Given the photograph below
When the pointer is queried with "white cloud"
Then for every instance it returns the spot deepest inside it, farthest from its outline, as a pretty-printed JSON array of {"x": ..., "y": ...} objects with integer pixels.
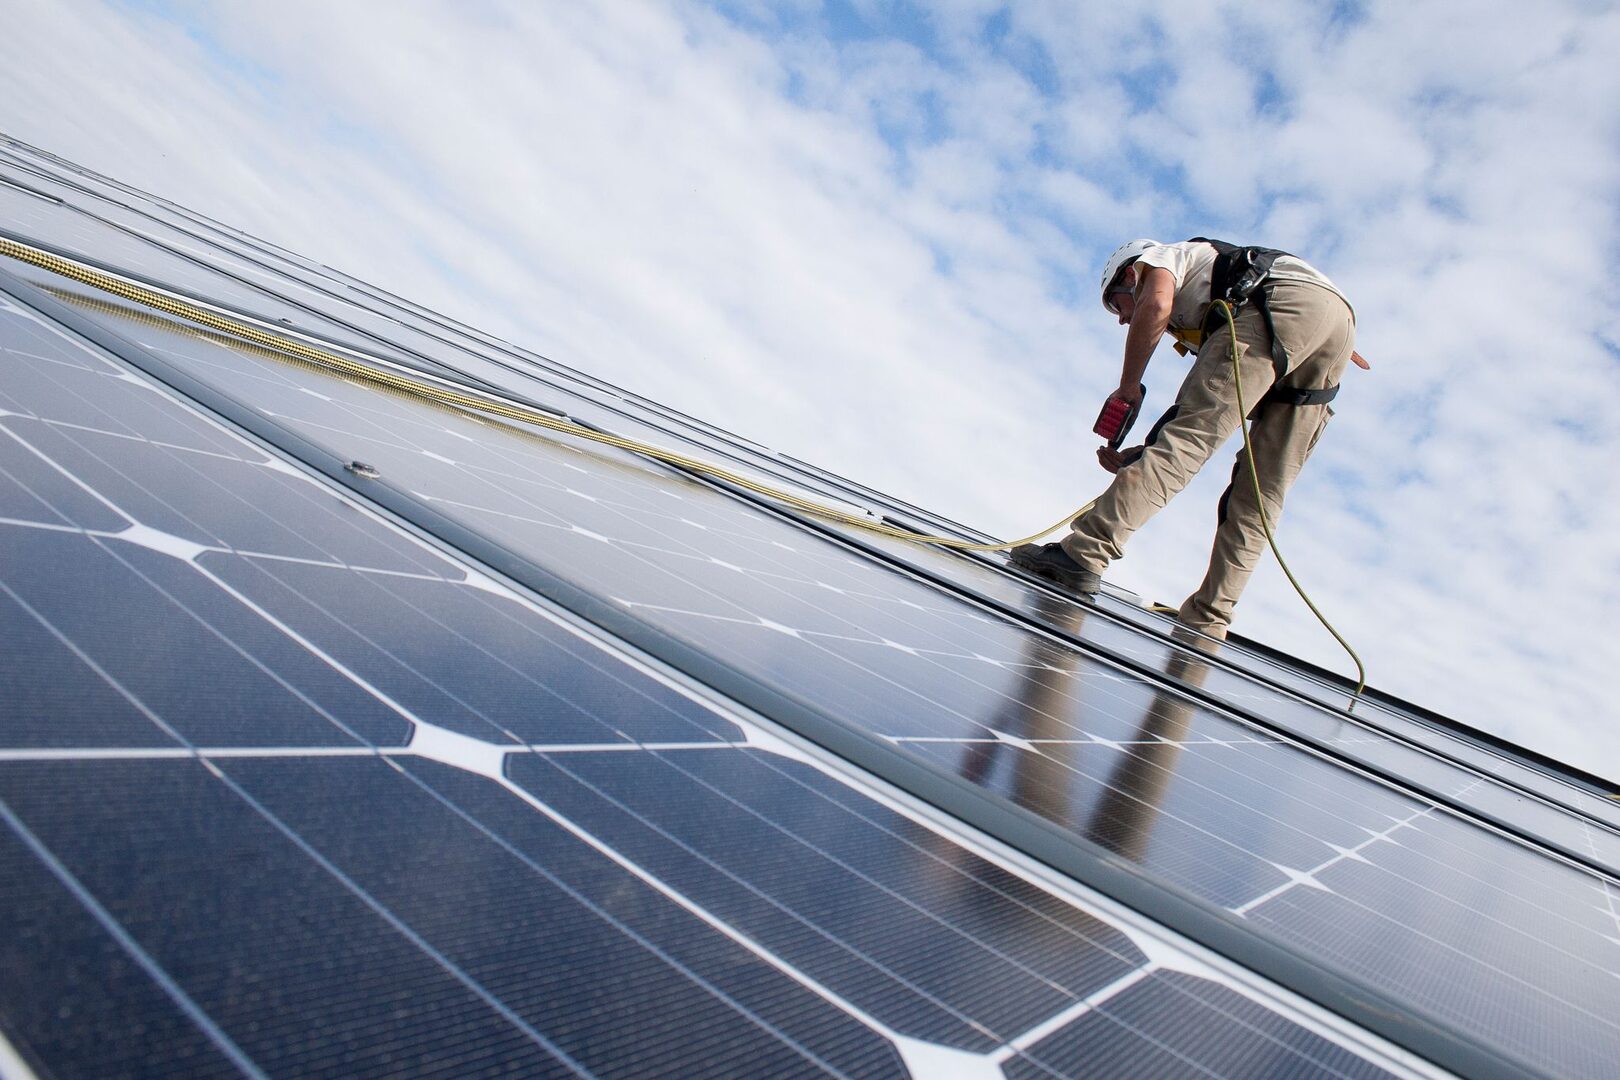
[{"x": 879, "y": 256}]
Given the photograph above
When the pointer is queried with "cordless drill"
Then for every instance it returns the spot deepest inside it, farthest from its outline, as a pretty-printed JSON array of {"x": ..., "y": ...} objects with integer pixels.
[{"x": 1116, "y": 418}]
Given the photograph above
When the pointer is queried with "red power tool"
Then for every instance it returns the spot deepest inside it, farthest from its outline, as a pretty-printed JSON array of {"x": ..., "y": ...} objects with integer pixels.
[{"x": 1116, "y": 418}]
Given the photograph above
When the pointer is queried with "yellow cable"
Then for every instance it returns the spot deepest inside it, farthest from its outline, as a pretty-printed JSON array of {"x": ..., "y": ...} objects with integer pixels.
[
  {"x": 1260, "y": 502},
  {"x": 470, "y": 401},
  {"x": 490, "y": 405}
]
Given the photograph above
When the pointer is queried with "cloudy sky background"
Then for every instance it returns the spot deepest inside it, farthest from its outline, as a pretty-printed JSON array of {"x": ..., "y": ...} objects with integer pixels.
[{"x": 868, "y": 234}]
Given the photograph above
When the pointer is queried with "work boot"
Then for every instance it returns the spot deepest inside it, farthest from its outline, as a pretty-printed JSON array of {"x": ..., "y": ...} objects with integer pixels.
[{"x": 1051, "y": 562}]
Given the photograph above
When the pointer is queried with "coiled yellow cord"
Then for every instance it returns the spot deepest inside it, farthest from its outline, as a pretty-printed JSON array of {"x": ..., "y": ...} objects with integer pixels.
[{"x": 1265, "y": 520}]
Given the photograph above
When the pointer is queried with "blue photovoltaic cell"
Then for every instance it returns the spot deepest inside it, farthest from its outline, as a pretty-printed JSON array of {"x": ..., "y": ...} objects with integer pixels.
[
  {"x": 760, "y": 989},
  {"x": 294, "y": 967},
  {"x": 87, "y": 1000},
  {"x": 32, "y": 488},
  {"x": 50, "y": 695},
  {"x": 930, "y": 951},
  {"x": 71, "y": 386},
  {"x": 1362, "y": 920},
  {"x": 593, "y": 959},
  {"x": 220, "y": 502},
  {"x": 165, "y": 640},
  {"x": 475, "y": 663},
  {"x": 1173, "y": 1024}
]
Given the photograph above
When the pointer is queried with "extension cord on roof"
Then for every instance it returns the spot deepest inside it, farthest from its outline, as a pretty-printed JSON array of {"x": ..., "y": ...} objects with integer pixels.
[
  {"x": 492, "y": 405},
  {"x": 459, "y": 399}
]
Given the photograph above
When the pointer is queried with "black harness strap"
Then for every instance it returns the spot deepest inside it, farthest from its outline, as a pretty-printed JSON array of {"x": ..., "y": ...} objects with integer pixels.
[
  {"x": 1238, "y": 277},
  {"x": 1292, "y": 395}
]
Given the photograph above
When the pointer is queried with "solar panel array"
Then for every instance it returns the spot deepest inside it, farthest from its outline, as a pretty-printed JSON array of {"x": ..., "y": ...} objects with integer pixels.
[{"x": 514, "y": 754}]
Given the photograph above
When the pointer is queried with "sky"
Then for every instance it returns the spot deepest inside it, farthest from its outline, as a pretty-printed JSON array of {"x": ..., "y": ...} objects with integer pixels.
[{"x": 869, "y": 235}]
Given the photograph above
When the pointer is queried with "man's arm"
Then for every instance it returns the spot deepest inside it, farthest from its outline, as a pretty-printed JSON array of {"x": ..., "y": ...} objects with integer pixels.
[{"x": 1149, "y": 321}]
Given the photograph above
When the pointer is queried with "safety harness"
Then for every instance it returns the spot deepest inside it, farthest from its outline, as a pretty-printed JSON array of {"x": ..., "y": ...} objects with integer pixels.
[{"x": 1238, "y": 278}]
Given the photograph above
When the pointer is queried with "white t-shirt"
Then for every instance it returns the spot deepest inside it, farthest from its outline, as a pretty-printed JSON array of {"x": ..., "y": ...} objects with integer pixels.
[{"x": 1192, "y": 264}]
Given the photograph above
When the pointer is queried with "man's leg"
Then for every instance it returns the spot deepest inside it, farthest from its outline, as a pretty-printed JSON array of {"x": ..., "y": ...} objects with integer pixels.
[
  {"x": 1206, "y": 415},
  {"x": 1283, "y": 437},
  {"x": 1316, "y": 327}
]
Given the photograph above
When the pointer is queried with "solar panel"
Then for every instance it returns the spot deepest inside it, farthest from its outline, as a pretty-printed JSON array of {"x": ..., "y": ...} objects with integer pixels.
[
  {"x": 314, "y": 288},
  {"x": 296, "y": 669},
  {"x": 516, "y": 753}
]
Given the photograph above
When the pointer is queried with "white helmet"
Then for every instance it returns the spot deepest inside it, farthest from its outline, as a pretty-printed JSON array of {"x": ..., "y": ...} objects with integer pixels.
[{"x": 1127, "y": 254}]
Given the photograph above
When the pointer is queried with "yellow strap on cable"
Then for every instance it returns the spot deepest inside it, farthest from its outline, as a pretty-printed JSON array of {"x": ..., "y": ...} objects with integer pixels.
[
  {"x": 472, "y": 402},
  {"x": 1260, "y": 503}
]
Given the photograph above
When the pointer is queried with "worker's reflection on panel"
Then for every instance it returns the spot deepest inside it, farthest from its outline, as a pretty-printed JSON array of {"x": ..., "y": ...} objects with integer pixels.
[
  {"x": 1040, "y": 708},
  {"x": 1135, "y": 787},
  {"x": 1043, "y": 722}
]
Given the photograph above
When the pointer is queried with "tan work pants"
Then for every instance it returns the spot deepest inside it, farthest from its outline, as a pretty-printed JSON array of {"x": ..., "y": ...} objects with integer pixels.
[{"x": 1317, "y": 329}]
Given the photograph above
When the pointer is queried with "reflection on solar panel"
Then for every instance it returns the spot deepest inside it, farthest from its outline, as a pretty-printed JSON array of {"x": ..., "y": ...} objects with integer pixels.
[{"x": 520, "y": 755}]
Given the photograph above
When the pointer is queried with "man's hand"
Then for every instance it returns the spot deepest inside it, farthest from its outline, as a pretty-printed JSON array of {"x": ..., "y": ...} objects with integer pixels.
[
  {"x": 1116, "y": 415},
  {"x": 1130, "y": 395},
  {"x": 1115, "y": 460}
]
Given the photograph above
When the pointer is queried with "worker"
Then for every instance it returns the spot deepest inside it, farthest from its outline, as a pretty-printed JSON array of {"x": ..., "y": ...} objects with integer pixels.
[{"x": 1295, "y": 335}]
